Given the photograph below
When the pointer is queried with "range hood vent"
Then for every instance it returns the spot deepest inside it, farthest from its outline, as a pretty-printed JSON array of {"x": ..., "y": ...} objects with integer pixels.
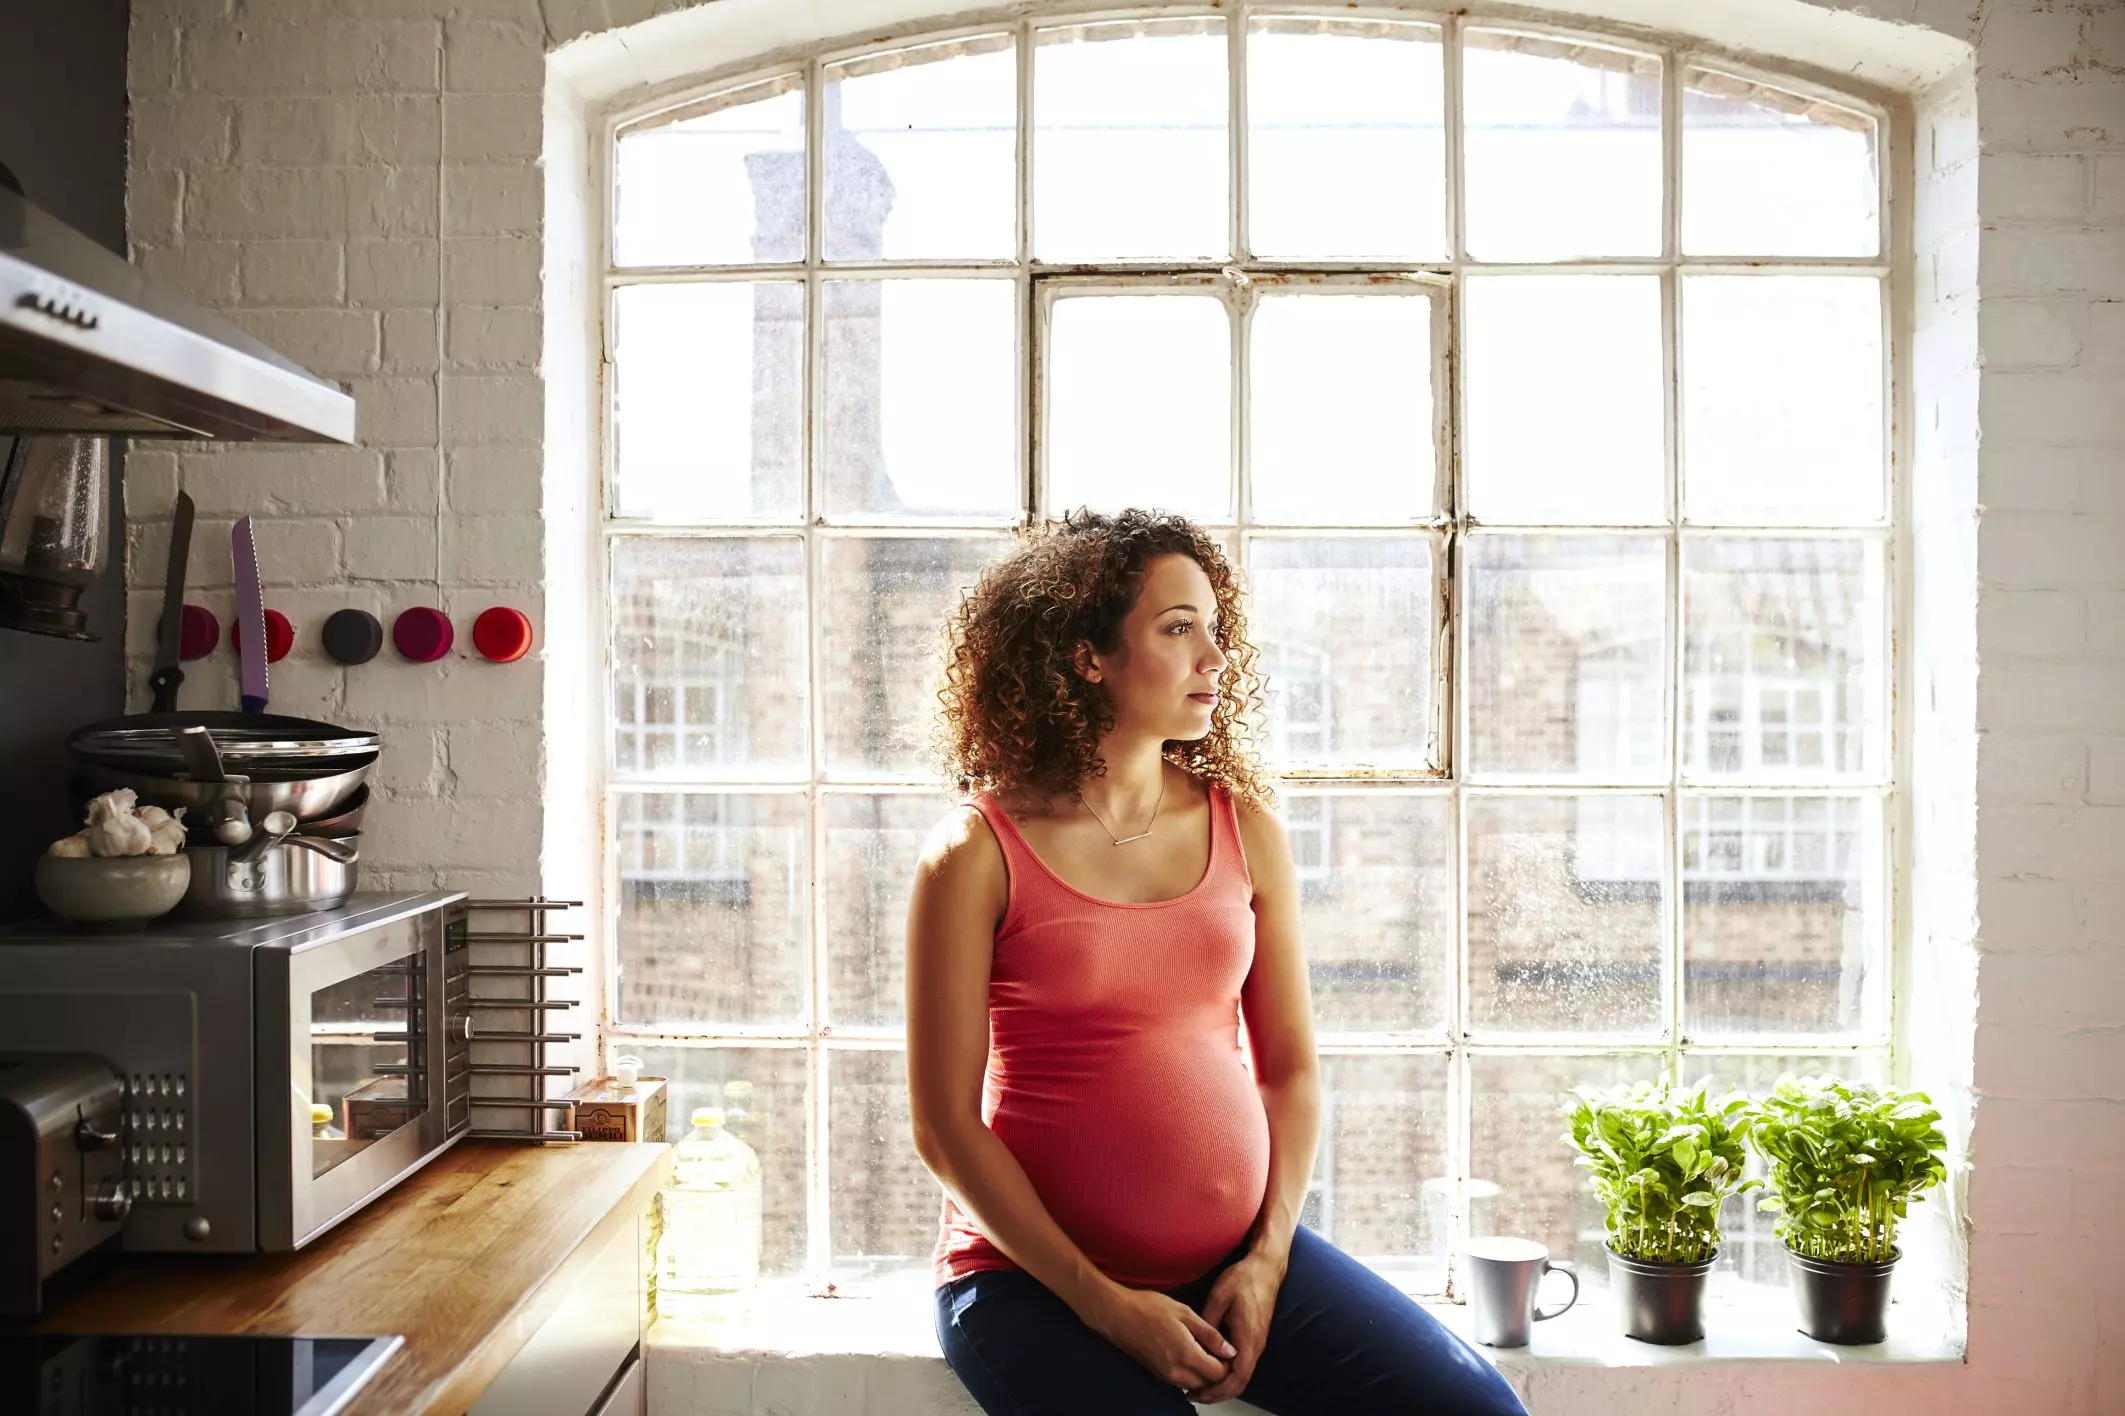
[{"x": 88, "y": 344}]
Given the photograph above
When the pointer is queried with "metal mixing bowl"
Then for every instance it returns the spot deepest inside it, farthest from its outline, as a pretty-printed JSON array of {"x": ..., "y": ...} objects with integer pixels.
[{"x": 305, "y": 797}]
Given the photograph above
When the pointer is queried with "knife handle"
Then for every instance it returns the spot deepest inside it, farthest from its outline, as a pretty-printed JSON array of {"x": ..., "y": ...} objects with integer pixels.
[{"x": 166, "y": 682}]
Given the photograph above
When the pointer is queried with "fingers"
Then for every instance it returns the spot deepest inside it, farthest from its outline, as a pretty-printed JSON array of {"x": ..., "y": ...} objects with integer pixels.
[
  {"x": 1212, "y": 1340},
  {"x": 1199, "y": 1374}
]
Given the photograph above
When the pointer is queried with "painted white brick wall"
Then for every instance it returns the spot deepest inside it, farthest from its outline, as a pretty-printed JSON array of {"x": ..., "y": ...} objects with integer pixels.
[{"x": 356, "y": 181}]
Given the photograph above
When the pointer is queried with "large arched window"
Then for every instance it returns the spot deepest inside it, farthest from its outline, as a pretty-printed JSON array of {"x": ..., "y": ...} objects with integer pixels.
[{"x": 1538, "y": 380}]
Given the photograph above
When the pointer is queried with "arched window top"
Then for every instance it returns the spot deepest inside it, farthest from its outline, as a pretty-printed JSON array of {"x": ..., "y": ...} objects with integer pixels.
[{"x": 1266, "y": 135}]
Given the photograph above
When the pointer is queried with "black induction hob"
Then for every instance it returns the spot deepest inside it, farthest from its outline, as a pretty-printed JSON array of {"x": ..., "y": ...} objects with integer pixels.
[{"x": 167, "y": 1374}]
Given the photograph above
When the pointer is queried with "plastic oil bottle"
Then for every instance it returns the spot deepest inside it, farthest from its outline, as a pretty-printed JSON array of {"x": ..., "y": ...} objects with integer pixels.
[{"x": 711, "y": 1239}]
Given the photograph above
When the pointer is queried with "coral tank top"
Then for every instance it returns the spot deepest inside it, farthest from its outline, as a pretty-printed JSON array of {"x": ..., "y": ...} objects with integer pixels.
[{"x": 1115, "y": 1071}]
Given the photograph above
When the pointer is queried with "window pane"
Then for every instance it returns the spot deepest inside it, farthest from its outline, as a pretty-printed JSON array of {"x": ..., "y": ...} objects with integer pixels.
[
  {"x": 1563, "y": 148},
  {"x": 708, "y": 401},
  {"x": 921, "y": 398},
  {"x": 711, "y": 907},
  {"x": 1782, "y": 399},
  {"x": 1346, "y": 628},
  {"x": 885, "y": 597},
  {"x": 885, "y": 1203},
  {"x": 1565, "y": 414},
  {"x": 1346, "y": 147},
  {"x": 1342, "y": 418},
  {"x": 873, "y": 843},
  {"x": 1771, "y": 173},
  {"x": 921, "y": 152},
  {"x": 1753, "y": 1252},
  {"x": 1564, "y": 913},
  {"x": 1567, "y": 656},
  {"x": 1139, "y": 404},
  {"x": 708, "y": 662},
  {"x": 1784, "y": 673},
  {"x": 1129, "y": 141},
  {"x": 1377, "y": 1176},
  {"x": 722, "y": 187},
  {"x": 1782, "y": 917},
  {"x": 1376, "y": 903},
  {"x": 761, "y": 1090},
  {"x": 1521, "y": 1177}
]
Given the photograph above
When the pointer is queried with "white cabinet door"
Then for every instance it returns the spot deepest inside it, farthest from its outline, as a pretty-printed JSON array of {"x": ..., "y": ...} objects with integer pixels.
[{"x": 571, "y": 1359}]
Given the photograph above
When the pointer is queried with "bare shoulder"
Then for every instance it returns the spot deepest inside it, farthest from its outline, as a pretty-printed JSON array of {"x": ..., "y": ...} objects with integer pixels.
[
  {"x": 1263, "y": 839},
  {"x": 962, "y": 860}
]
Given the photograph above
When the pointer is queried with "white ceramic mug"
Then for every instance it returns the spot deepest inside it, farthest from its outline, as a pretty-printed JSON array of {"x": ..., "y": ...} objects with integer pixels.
[{"x": 1503, "y": 1274}]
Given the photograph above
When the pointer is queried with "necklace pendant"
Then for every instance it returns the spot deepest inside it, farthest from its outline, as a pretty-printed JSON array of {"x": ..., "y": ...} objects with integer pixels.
[{"x": 1127, "y": 839}]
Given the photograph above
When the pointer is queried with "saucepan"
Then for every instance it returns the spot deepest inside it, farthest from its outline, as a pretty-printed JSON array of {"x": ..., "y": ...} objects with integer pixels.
[{"x": 287, "y": 876}]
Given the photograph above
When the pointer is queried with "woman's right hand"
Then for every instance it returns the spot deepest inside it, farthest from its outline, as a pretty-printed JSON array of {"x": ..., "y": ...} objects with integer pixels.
[{"x": 1172, "y": 1341}]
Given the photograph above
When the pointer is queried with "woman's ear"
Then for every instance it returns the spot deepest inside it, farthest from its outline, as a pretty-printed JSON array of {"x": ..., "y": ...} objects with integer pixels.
[{"x": 1085, "y": 662}]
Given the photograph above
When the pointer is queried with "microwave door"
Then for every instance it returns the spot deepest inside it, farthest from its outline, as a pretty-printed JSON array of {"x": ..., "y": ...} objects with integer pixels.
[{"x": 350, "y": 1086}]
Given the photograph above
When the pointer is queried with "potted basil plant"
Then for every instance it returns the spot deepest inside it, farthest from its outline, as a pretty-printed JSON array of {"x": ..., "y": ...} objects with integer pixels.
[
  {"x": 1846, "y": 1160},
  {"x": 1664, "y": 1159}
]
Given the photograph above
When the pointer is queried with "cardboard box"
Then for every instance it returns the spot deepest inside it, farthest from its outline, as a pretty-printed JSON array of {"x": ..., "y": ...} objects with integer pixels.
[
  {"x": 607, "y": 1111},
  {"x": 375, "y": 1109}
]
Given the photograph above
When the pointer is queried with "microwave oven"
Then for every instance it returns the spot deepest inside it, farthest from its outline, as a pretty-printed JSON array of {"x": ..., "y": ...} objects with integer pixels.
[{"x": 274, "y": 1075}]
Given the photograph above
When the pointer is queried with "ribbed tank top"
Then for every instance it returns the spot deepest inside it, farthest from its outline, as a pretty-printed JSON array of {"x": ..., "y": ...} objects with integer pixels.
[{"x": 1115, "y": 1071}]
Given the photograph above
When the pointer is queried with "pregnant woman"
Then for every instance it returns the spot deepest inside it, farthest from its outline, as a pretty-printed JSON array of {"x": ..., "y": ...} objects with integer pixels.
[{"x": 1120, "y": 1232}]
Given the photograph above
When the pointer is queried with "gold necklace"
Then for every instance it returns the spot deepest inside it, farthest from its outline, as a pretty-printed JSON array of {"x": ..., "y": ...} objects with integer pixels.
[{"x": 1125, "y": 840}]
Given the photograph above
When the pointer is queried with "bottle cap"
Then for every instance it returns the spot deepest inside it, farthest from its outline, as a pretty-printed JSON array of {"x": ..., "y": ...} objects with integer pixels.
[{"x": 708, "y": 1116}]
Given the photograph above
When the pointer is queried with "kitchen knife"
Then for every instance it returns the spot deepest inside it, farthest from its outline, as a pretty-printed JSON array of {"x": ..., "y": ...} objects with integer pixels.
[
  {"x": 250, "y": 617},
  {"x": 169, "y": 634}
]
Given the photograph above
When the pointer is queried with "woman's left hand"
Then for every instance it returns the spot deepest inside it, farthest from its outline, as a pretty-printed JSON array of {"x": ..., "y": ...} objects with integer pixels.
[{"x": 1240, "y": 1304}]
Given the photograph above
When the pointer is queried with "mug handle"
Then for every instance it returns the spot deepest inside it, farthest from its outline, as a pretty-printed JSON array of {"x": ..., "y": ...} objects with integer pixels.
[{"x": 1550, "y": 1266}]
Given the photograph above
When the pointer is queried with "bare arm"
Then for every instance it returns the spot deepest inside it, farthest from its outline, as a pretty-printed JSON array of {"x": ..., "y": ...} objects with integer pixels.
[
  {"x": 958, "y": 897},
  {"x": 1278, "y": 1005}
]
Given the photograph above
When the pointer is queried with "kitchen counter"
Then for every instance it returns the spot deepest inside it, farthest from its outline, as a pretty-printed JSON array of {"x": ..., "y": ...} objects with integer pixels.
[{"x": 467, "y": 1258}]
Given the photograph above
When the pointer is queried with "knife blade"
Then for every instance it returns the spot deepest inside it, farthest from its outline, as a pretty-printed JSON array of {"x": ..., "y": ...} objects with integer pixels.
[
  {"x": 250, "y": 617},
  {"x": 169, "y": 633}
]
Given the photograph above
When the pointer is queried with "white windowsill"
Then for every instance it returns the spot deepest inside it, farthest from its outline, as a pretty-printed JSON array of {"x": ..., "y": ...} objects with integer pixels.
[{"x": 847, "y": 1350}]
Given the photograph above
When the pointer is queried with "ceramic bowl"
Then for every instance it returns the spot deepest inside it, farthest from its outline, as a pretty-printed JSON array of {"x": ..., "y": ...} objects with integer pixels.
[{"x": 112, "y": 890}]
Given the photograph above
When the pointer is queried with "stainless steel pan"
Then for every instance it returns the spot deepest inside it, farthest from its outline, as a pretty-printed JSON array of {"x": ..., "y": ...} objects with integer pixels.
[
  {"x": 307, "y": 798},
  {"x": 284, "y": 878}
]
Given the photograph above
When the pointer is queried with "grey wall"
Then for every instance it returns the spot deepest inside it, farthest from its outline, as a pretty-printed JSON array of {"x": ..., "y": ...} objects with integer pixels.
[{"x": 62, "y": 131}]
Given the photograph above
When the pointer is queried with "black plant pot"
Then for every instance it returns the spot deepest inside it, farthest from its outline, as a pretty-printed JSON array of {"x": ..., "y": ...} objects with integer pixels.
[
  {"x": 1661, "y": 1303},
  {"x": 1842, "y": 1303}
]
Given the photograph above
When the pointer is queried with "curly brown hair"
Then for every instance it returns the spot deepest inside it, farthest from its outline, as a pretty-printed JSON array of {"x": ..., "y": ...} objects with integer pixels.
[{"x": 1015, "y": 713}]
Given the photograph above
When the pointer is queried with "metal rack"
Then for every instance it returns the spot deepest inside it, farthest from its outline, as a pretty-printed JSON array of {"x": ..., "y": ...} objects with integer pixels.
[{"x": 508, "y": 1020}]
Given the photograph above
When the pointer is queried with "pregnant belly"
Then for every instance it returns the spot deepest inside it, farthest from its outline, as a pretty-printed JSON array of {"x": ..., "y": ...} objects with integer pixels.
[{"x": 1156, "y": 1174}]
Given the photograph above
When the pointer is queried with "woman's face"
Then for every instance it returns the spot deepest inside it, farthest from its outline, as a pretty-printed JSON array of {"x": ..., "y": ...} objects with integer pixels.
[{"x": 1163, "y": 681}]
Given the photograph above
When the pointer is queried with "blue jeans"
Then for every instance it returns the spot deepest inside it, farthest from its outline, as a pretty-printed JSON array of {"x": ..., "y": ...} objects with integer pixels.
[{"x": 1342, "y": 1342}]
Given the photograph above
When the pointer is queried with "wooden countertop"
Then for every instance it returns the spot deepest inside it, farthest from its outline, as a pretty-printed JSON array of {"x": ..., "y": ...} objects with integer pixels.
[{"x": 465, "y": 1258}]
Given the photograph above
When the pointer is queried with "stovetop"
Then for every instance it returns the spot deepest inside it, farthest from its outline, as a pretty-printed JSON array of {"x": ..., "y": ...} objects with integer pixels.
[{"x": 56, "y": 1374}]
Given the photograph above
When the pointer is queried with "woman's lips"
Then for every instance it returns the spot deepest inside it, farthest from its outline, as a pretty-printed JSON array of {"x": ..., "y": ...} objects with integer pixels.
[{"x": 1204, "y": 697}]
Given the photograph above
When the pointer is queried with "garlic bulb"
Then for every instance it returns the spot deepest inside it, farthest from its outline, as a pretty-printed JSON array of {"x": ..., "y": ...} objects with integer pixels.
[
  {"x": 113, "y": 829},
  {"x": 74, "y": 847},
  {"x": 165, "y": 837}
]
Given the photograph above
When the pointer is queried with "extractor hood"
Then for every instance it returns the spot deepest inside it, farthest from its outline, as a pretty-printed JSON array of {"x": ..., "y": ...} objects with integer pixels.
[{"x": 88, "y": 344}]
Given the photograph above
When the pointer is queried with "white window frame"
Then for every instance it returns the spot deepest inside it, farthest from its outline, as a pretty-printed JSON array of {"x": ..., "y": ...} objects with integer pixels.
[{"x": 820, "y": 1040}]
